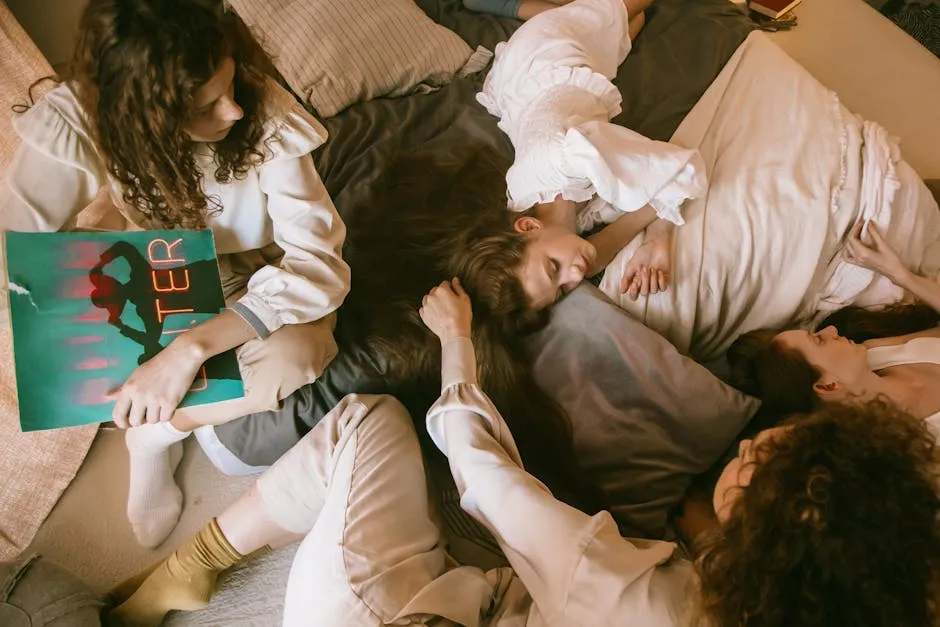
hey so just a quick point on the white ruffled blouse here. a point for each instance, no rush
(550, 86)
(57, 172)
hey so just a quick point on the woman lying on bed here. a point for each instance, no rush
(858, 355)
(168, 113)
(801, 541)
(550, 86)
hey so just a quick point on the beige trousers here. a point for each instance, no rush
(273, 368)
(373, 552)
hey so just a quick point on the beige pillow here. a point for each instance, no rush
(334, 53)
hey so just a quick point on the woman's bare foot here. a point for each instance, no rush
(648, 271)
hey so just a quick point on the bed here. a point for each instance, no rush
(639, 427)
(686, 44)
(637, 423)
(681, 51)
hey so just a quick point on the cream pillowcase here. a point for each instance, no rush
(334, 53)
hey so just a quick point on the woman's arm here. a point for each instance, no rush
(877, 255)
(610, 240)
(577, 568)
(312, 280)
(155, 389)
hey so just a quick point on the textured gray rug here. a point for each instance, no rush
(249, 596)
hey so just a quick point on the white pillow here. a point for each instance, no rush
(334, 53)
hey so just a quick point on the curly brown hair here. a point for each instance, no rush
(783, 379)
(432, 217)
(840, 525)
(136, 67)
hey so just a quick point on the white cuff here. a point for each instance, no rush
(262, 318)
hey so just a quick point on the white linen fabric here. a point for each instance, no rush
(791, 172)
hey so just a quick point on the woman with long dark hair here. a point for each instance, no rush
(857, 354)
(435, 216)
(169, 113)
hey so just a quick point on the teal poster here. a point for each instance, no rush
(88, 308)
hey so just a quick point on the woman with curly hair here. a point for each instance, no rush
(802, 540)
(168, 113)
(857, 354)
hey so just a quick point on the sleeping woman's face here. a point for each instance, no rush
(736, 476)
(555, 261)
(843, 364)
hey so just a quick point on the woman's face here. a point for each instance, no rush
(842, 362)
(737, 474)
(215, 111)
(555, 261)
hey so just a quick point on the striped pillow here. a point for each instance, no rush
(334, 53)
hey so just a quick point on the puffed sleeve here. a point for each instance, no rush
(312, 279)
(55, 173)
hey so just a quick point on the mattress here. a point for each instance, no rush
(682, 49)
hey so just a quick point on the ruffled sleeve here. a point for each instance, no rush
(56, 172)
(312, 279)
(630, 171)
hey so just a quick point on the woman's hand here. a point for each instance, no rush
(155, 389)
(877, 255)
(446, 310)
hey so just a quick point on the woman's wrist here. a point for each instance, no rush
(450, 335)
(458, 361)
(190, 347)
(905, 279)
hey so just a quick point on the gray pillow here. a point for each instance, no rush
(646, 419)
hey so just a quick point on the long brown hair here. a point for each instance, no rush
(433, 217)
(783, 379)
(136, 66)
(840, 525)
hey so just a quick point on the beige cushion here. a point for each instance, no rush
(35, 467)
(334, 53)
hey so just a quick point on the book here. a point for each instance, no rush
(773, 8)
(87, 308)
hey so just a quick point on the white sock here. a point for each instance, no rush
(154, 501)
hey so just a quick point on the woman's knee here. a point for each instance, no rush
(292, 357)
(375, 412)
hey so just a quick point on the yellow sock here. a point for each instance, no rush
(184, 581)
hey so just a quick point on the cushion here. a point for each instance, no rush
(646, 418)
(334, 53)
(37, 592)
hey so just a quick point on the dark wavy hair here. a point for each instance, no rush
(840, 525)
(433, 217)
(136, 67)
(783, 379)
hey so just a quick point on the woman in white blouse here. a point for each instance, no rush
(168, 114)
(829, 520)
